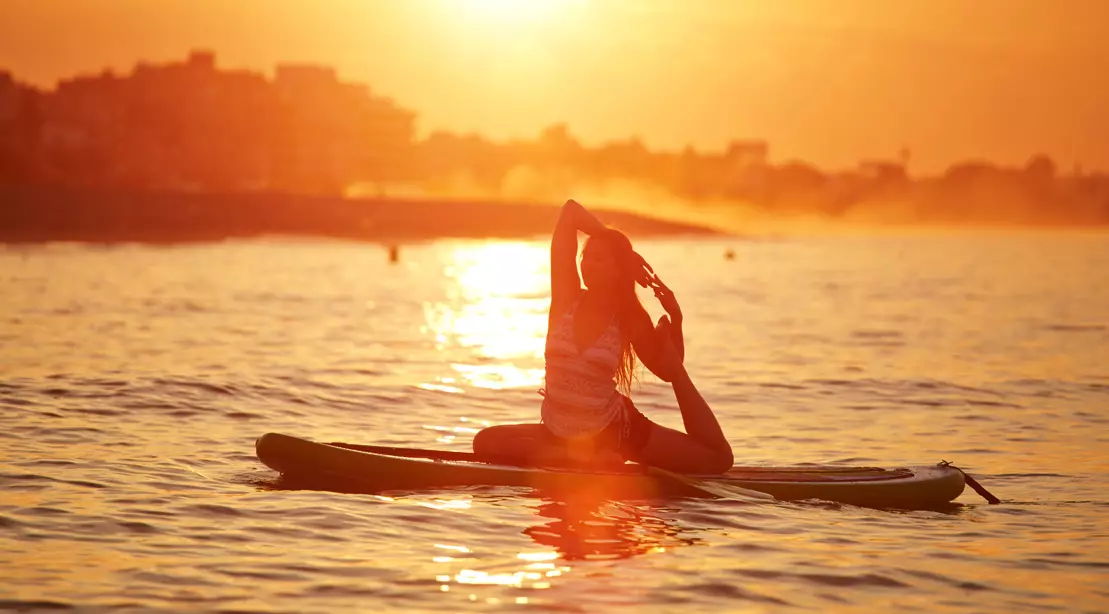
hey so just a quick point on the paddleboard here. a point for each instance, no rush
(367, 468)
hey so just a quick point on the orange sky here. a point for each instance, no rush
(829, 81)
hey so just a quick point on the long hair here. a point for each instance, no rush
(628, 304)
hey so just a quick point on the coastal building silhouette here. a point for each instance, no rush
(191, 126)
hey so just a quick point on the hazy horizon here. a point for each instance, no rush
(831, 83)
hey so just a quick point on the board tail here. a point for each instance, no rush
(973, 483)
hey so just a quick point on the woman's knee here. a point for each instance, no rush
(678, 451)
(485, 441)
(722, 460)
(497, 440)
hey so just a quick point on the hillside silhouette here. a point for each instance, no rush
(229, 152)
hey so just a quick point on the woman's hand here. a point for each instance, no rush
(670, 358)
(666, 298)
(673, 317)
(583, 220)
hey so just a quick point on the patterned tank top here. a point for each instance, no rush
(580, 398)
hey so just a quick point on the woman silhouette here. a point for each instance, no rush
(594, 336)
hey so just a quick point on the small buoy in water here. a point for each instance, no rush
(729, 255)
(394, 253)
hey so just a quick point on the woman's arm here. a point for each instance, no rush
(648, 340)
(669, 303)
(565, 282)
(678, 338)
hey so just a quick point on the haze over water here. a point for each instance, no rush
(134, 380)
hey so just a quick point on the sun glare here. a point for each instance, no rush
(512, 11)
(496, 318)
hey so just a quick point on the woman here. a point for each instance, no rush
(593, 338)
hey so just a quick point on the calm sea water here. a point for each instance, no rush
(135, 379)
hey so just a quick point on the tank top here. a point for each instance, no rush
(580, 398)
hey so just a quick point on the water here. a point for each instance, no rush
(135, 379)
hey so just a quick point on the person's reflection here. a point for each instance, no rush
(597, 529)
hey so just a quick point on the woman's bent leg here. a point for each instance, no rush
(517, 444)
(701, 449)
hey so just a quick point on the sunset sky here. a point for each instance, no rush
(828, 81)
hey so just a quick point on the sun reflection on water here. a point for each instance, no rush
(580, 530)
(441, 504)
(494, 316)
(574, 531)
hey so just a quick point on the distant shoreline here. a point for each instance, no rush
(45, 213)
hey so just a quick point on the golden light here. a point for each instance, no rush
(495, 320)
(511, 11)
(537, 556)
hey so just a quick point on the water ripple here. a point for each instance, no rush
(128, 479)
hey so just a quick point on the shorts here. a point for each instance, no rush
(626, 435)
